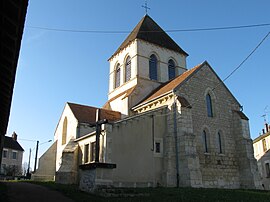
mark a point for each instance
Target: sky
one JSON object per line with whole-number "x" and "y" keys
{"x": 56, "y": 67}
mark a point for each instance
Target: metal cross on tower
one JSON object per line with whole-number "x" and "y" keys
{"x": 145, "y": 6}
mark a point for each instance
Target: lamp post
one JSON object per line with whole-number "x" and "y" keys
{"x": 35, "y": 166}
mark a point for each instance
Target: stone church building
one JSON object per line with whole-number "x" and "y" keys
{"x": 163, "y": 124}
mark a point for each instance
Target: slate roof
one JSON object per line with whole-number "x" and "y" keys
{"x": 148, "y": 30}
{"x": 170, "y": 85}
{"x": 87, "y": 114}
{"x": 10, "y": 143}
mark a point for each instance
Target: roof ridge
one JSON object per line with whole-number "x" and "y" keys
{"x": 148, "y": 30}
{"x": 171, "y": 85}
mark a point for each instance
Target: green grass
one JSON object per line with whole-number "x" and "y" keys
{"x": 165, "y": 194}
{"x": 3, "y": 192}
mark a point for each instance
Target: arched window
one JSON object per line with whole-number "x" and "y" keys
{"x": 117, "y": 76}
{"x": 153, "y": 67}
{"x": 171, "y": 69}
{"x": 64, "y": 132}
{"x": 128, "y": 69}
{"x": 209, "y": 105}
{"x": 220, "y": 147}
{"x": 205, "y": 141}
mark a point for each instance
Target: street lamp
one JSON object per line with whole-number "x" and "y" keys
{"x": 35, "y": 166}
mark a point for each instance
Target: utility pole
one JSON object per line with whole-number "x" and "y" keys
{"x": 28, "y": 169}
{"x": 35, "y": 166}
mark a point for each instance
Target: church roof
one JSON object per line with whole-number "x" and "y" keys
{"x": 148, "y": 30}
{"x": 10, "y": 143}
{"x": 170, "y": 85}
{"x": 87, "y": 114}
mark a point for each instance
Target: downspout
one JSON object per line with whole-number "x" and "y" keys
{"x": 153, "y": 133}
{"x": 176, "y": 144}
{"x": 153, "y": 147}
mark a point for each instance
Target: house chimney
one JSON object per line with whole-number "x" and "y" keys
{"x": 266, "y": 127}
{"x": 14, "y": 136}
{"x": 263, "y": 131}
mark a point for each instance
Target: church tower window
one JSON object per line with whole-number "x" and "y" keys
{"x": 128, "y": 69}
{"x": 117, "y": 75}
{"x": 171, "y": 69}
{"x": 153, "y": 67}
{"x": 205, "y": 141}
{"x": 209, "y": 105}
{"x": 64, "y": 132}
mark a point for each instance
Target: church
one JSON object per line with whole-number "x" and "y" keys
{"x": 163, "y": 125}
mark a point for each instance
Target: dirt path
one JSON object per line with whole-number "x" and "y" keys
{"x": 27, "y": 192}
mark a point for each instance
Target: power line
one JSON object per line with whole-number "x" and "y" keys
{"x": 169, "y": 30}
{"x": 251, "y": 53}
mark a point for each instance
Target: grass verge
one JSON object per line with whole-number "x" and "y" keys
{"x": 165, "y": 194}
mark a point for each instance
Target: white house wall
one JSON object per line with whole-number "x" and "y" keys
{"x": 71, "y": 132}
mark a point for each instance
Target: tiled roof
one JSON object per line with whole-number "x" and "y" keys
{"x": 87, "y": 114}
{"x": 126, "y": 93}
{"x": 10, "y": 143}
{"x": 170, "y": 85}
{"x": 148, "y": 30}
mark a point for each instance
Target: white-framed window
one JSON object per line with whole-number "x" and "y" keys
{"x": 5, "y": 153}
{"x": 14, "y": 155}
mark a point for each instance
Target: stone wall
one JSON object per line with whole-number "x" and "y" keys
{"x": 217, "y": 169}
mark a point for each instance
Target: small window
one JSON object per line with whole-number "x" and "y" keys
{"x": 209, "y": 106}
{"x": 171, "y": 69}
{"x": 128, "y": 69}
{"x": 93, "y": 151}
{"x": 14, "y": 155}
{"x": 64, "y": 132}
{"x": 205, "y": 141}
{"x": 5, "y": 153}
{"x": 157, "y": 147}
{"x": 153, "y": 67}
{"x": 267, "y": 170}
{"x": 264, "y": 145}
{"x": 86, "y": 153}
{"x": 117, "y": 75}
{"x": 220, "y": 149}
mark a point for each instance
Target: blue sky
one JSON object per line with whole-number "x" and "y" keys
{"x": 59, "y": 67}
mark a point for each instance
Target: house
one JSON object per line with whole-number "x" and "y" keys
{"x": 261, "y": 146}
{"x": 12, "y": 156}
{"x": 163, "y": 124}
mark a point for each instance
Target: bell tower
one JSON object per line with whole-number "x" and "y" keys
{"x": 146, "y": 59}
